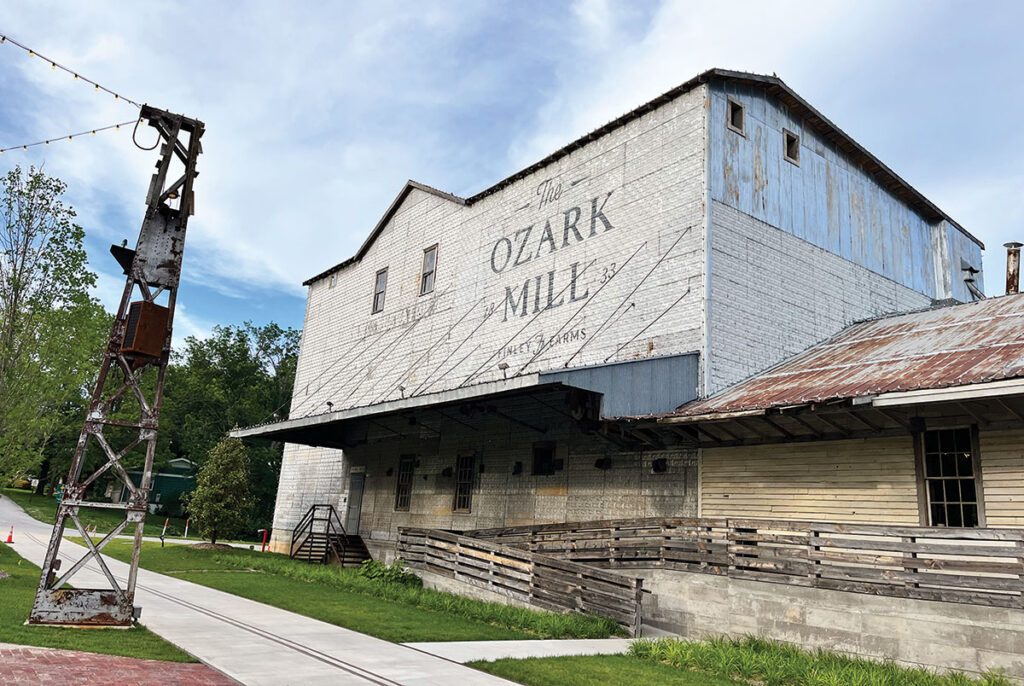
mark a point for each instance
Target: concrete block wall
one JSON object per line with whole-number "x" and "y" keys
{"x": 933, "y": 634}
{"x": 773, "y": 295}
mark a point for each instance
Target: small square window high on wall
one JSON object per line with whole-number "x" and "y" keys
{"x": 735, "y": 117}
{"x": 380, "y": 284}
{"x": 791, "y": 146}
{"x": 429, "y": 267}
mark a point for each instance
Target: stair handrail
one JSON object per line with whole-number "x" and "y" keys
{"x": 333, "y": 536}
{"x": 305, "y": 523}
{"x": 334, "y": 531}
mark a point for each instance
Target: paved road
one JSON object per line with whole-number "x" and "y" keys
{"x": 249, "y": 641}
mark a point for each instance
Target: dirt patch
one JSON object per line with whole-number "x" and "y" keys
{"x": 211, "y": 546}
{"x": 3, "y": 574}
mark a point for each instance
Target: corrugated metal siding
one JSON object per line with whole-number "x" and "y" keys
{"x": 653, "y": 385}
{"x": 952, "y": 346}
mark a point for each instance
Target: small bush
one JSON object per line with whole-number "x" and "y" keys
{"x": 389, "y": 574}
{"x": 781, "y": 664}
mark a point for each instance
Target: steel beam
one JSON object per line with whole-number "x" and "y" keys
{"x": 119, "y": 425}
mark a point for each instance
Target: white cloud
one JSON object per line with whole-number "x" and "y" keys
{"x": 317, "y": 114}
{"x": 305, "y": 143}
{"x": 186, "y": 325}
{"x": 613, "y": 75}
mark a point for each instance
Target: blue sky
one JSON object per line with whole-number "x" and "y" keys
{"x": 317, "y": 113}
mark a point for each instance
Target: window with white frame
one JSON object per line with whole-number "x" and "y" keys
{"x": 380, "y": 284}
{"x": 429, "y": 267}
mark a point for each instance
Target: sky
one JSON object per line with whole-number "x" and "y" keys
{"x": 318, "y": 112}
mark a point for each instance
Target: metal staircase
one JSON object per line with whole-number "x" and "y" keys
{"x": 320, "y": 535}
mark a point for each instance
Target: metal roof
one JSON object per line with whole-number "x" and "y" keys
{"x": 773, "y": 85}
{"x": 958, "y": 345}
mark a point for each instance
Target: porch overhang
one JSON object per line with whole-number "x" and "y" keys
{"x": 308, "y": 430}
{"x": 599, "y": 393}
{"x": 993, "y": 406}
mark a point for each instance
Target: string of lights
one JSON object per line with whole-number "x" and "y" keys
{"x": 54, "y": 65}
{"x": 69, "y": 137}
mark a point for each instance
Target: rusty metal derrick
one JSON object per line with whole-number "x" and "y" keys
{"x": 124, "y": 410}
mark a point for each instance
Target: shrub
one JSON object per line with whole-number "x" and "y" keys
{"x": 780, "y": 664}
{"x": 389, "y": 574}
{"x": 221, "y": 501}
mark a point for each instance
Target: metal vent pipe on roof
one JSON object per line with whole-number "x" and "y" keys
{"x": 1012, "y": 267}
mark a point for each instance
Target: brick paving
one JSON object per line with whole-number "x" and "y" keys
{"x": 32, "y": 665}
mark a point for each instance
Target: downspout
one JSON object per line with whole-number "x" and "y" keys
{"x": 705, "y": 389}
{"x": 706, "y": 197}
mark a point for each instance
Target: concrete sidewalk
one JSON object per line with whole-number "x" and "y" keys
{"x": 249, "y": 641}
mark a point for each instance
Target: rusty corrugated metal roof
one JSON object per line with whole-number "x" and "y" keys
{"x": 938, "y": 348}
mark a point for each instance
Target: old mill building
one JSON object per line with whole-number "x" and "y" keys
{"x": 712, "y": 346}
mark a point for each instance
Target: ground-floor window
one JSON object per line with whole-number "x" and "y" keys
{"x": 464, "y": 483}
{"x": 950, "y": 473}
{"x": 403, "y": 488}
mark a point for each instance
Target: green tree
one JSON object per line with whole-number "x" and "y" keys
{"x": 221, "y": 501}
{"x": 238, "y": 376}
{"x": 51, "y": 330}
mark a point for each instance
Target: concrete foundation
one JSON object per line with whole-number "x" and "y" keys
{"x": 933, "y": 634}
{"x": 915, "y": 633}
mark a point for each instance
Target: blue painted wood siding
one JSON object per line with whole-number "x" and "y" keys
{"x": 827, "y": 200}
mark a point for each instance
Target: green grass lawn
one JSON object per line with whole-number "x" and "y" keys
{"x": 16, "y": 595}
{"x": 44, "y": 508}
{"x": 341, "y": 596}
{"x": 596, "y": 670}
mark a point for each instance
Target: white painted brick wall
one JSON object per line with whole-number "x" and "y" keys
{"x": 774, "y": 295}
{"x": 652, "y": 167}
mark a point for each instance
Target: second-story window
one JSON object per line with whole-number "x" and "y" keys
{"x": 791, "y": 147}
{"x": 735, "y": 116}
{"x": 380, "y": 285}
{"x": 429, "y": 267}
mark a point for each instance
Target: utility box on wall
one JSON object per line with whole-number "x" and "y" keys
{"x": 146, "y": 329}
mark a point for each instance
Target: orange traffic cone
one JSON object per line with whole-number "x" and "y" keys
{"x": 10, "y": 535}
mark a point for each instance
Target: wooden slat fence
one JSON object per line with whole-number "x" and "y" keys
{"x": 537, "y": 579}
{"x": 976, "y": 566}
